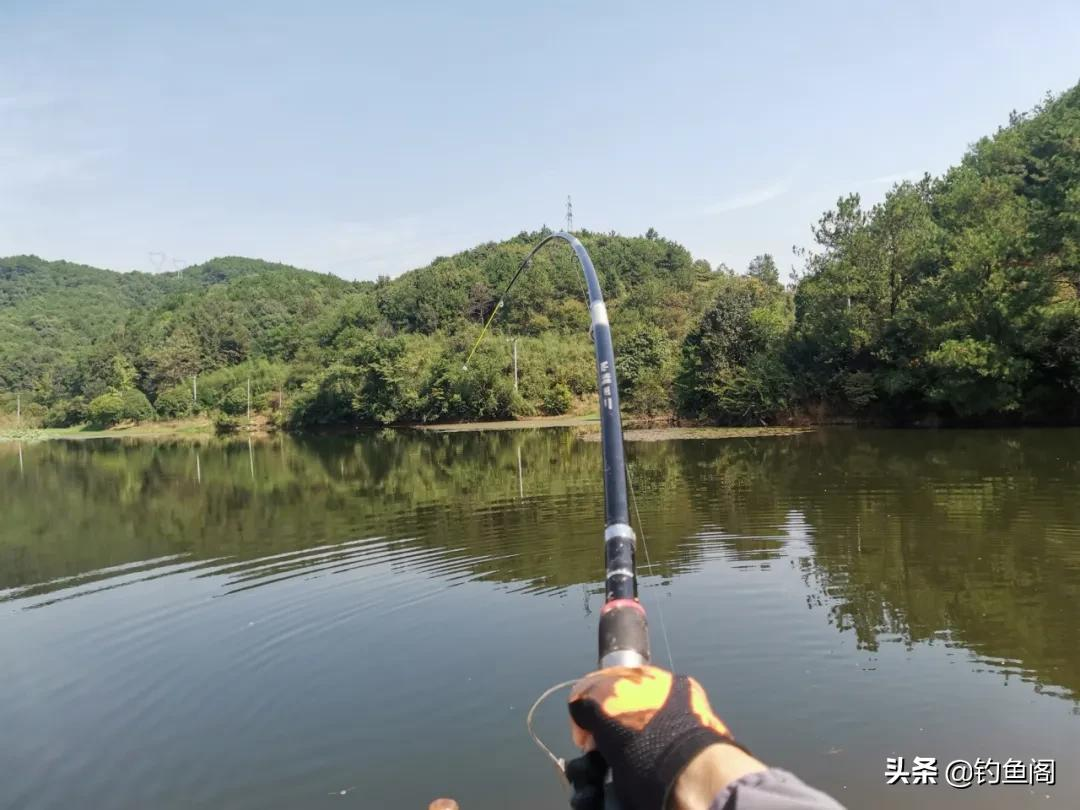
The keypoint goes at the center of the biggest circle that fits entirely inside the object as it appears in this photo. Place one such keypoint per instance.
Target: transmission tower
(569, 214)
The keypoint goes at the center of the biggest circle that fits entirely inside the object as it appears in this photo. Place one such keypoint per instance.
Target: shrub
(136, 406)
(66, 412)
(105, 410)
(858, 388)
(223, 423)
(557, 399)
(174, 403)
(117, 406)
(234, 401)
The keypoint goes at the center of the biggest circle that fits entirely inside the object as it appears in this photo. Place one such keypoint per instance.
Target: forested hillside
(957, 295)
(319, 350)
(955, 298)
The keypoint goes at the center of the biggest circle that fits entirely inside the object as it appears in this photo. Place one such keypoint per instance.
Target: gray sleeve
(772, 789)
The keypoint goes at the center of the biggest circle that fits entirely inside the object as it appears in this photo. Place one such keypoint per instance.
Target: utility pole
(249, 399)
(569, 214)
(195, 390)
(18, 409)
(513, 342)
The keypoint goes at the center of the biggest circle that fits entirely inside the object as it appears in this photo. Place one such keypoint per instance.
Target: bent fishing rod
(624, 629)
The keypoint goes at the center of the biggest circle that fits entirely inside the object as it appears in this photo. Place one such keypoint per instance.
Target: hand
(666, 748)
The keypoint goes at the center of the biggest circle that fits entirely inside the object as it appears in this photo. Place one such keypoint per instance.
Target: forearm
(722, 777)
(709, 773)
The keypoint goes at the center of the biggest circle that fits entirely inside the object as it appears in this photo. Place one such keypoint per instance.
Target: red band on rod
(622, 603)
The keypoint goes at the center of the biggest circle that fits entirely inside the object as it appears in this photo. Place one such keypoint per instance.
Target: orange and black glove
(647, 725)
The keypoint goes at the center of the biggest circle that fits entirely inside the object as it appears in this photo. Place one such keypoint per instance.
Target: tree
(175, 360)
(732, 365)
(764, 269)
(644, 357)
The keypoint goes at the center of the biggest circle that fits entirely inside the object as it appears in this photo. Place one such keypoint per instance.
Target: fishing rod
(624, 630)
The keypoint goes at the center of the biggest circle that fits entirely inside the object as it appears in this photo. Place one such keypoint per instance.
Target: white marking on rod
(599, 314)
(619, 530)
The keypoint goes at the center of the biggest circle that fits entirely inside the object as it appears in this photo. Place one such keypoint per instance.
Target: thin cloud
(24, 101)
(349, 248)
(899, 177)
(749, 199)
(32, 169)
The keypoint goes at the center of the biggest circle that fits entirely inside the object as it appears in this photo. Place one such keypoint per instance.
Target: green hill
(956, 298)
(70, 331)
(378, 352)
(49, 310)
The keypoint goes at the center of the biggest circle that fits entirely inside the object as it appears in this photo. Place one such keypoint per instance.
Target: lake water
(364, 622)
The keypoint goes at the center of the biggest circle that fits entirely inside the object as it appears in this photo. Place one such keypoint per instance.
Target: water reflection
(960, 538)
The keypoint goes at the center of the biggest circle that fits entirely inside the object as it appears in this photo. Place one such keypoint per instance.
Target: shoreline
(525, 423)
(587, 428)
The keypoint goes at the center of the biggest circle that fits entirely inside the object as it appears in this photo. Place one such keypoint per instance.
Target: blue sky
(363, 139)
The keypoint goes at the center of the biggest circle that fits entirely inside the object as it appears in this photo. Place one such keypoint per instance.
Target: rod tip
(465, 367)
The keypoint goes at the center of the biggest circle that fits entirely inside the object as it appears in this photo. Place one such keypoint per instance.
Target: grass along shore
(181, 428)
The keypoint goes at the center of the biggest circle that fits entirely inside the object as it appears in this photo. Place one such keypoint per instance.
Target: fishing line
(506, 291)
(623, 631)
(558, 762)
(483, 332)
(502, 300)
(581, 284)
(648, 561)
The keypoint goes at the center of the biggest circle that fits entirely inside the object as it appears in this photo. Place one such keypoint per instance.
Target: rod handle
(624, 634)
(611, 801)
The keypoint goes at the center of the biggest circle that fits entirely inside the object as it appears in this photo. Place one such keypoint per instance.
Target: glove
(647, 724)
(586, 776)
